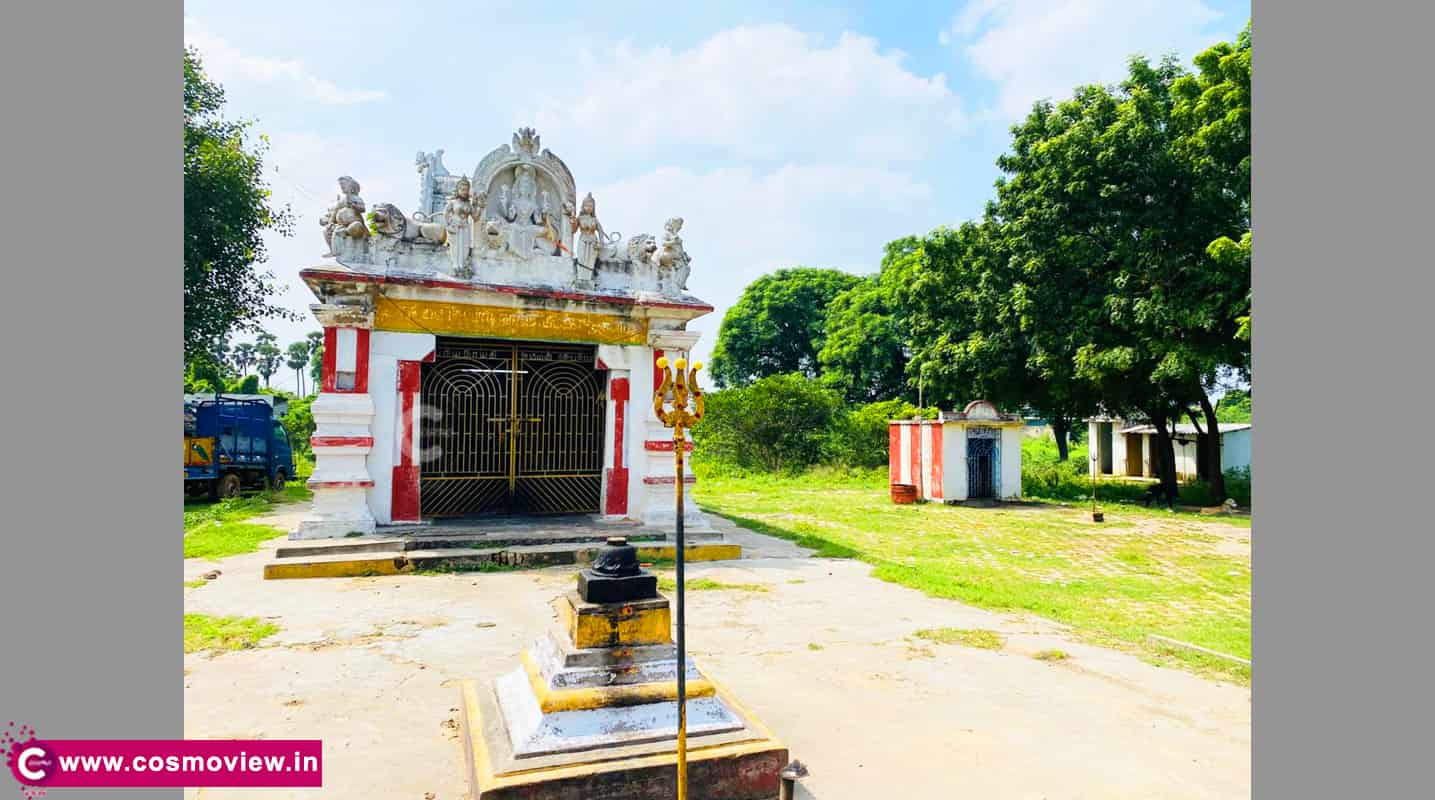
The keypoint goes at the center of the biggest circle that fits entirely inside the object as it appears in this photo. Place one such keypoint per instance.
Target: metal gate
(510, 428)
(983, 463)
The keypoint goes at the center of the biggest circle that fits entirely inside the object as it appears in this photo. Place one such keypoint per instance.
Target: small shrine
(973, 455)
(481, 352)
(591, 710)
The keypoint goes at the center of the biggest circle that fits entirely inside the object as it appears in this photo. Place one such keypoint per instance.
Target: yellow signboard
(465, 319)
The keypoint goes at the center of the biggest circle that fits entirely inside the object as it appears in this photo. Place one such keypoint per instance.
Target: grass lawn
(218, 529)
(1184, 576)
(203, 633)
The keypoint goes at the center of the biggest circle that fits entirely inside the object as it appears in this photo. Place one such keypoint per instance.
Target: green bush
(780, 423)
(298, 422)
(785, 423)
(859, 437)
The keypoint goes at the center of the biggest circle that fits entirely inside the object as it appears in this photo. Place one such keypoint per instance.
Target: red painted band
(914, 437)
(616, 503)
(665, 445)
(405, 507)
(331, 348)
(341, 441)
(668, 480)
(937, 493)
(313, 484)
(361, 361)
(894, 453)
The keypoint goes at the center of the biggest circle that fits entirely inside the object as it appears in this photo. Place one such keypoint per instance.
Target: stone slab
(741, 764)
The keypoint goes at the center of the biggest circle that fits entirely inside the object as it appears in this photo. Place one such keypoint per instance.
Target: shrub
(859, 437)
(779, 423)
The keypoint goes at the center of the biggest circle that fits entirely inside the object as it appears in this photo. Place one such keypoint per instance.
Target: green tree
(249, 384)
(298, 422)
(296, 357)
(316, 366)
(226, 210)
(1109, 221)
(777, 423)
(267, 356)
(778, 326)
(979, 330)
(864, 355)
(242, 357)
(1234, 406)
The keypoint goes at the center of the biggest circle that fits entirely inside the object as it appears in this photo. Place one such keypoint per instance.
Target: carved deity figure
(458, 221)
(346, 216)
(550, 241)
(521, 208)
(672, 253)
(590, 233)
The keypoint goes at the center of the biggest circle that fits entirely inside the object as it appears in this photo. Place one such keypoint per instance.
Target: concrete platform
(473, 544)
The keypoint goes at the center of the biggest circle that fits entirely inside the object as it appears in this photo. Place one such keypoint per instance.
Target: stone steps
(439, 540)
(406, 555)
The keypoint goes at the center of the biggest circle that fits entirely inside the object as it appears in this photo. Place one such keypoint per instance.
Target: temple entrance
(510, 427)
(983, 462)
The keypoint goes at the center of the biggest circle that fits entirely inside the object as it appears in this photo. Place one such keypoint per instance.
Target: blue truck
(231, 444)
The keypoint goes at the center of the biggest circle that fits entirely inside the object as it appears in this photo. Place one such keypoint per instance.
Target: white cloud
(1034, 49)
(227, 63)
(759, 92)
(740, 223)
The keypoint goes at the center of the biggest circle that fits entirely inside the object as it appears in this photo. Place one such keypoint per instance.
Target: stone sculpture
(673, 255)
(458, 221)
(388, 220)
(516, 219)
(345, 217)
(591, 236)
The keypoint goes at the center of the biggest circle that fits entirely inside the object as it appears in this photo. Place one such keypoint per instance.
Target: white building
(493, 352)
(1125, 448)
(972, 455)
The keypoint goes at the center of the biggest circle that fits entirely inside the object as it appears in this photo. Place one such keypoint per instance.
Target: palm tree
(267, 356)
(297, 358)
(243, 357)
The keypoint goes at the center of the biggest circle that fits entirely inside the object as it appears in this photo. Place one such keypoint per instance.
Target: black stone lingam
(616, 576)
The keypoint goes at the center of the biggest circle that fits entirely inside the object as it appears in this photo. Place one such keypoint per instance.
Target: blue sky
(784, 133)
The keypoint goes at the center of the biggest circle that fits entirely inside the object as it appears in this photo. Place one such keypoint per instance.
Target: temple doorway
(510, 428)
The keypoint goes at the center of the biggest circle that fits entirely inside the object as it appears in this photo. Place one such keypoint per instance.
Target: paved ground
(825, 657)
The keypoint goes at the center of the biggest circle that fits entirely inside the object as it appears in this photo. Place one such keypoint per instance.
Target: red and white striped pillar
(343, 435)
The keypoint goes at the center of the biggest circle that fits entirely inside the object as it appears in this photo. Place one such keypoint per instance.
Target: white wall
(386, 350)
(954, 462)
(1011, 463)
(1235, 449)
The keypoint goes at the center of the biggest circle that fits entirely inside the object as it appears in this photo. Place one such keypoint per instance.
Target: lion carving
(388, 220)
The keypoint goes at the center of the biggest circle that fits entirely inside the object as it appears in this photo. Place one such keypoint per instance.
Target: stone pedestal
(592, 712)
(342, 441)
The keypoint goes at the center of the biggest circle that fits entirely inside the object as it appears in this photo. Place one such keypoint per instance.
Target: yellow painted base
(716, 551)
(616, 624)
(347, 568)
(580, 699)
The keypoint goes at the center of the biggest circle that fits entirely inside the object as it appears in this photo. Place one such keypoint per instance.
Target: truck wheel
(229, 485)
(278, 483)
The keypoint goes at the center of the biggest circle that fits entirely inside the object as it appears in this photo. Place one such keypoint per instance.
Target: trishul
(682, 385)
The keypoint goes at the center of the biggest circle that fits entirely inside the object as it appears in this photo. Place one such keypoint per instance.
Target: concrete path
(825, 657)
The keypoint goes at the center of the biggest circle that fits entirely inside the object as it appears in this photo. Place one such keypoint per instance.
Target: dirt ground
(826, 657)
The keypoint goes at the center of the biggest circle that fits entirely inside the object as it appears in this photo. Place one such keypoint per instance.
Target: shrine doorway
(510, 428)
